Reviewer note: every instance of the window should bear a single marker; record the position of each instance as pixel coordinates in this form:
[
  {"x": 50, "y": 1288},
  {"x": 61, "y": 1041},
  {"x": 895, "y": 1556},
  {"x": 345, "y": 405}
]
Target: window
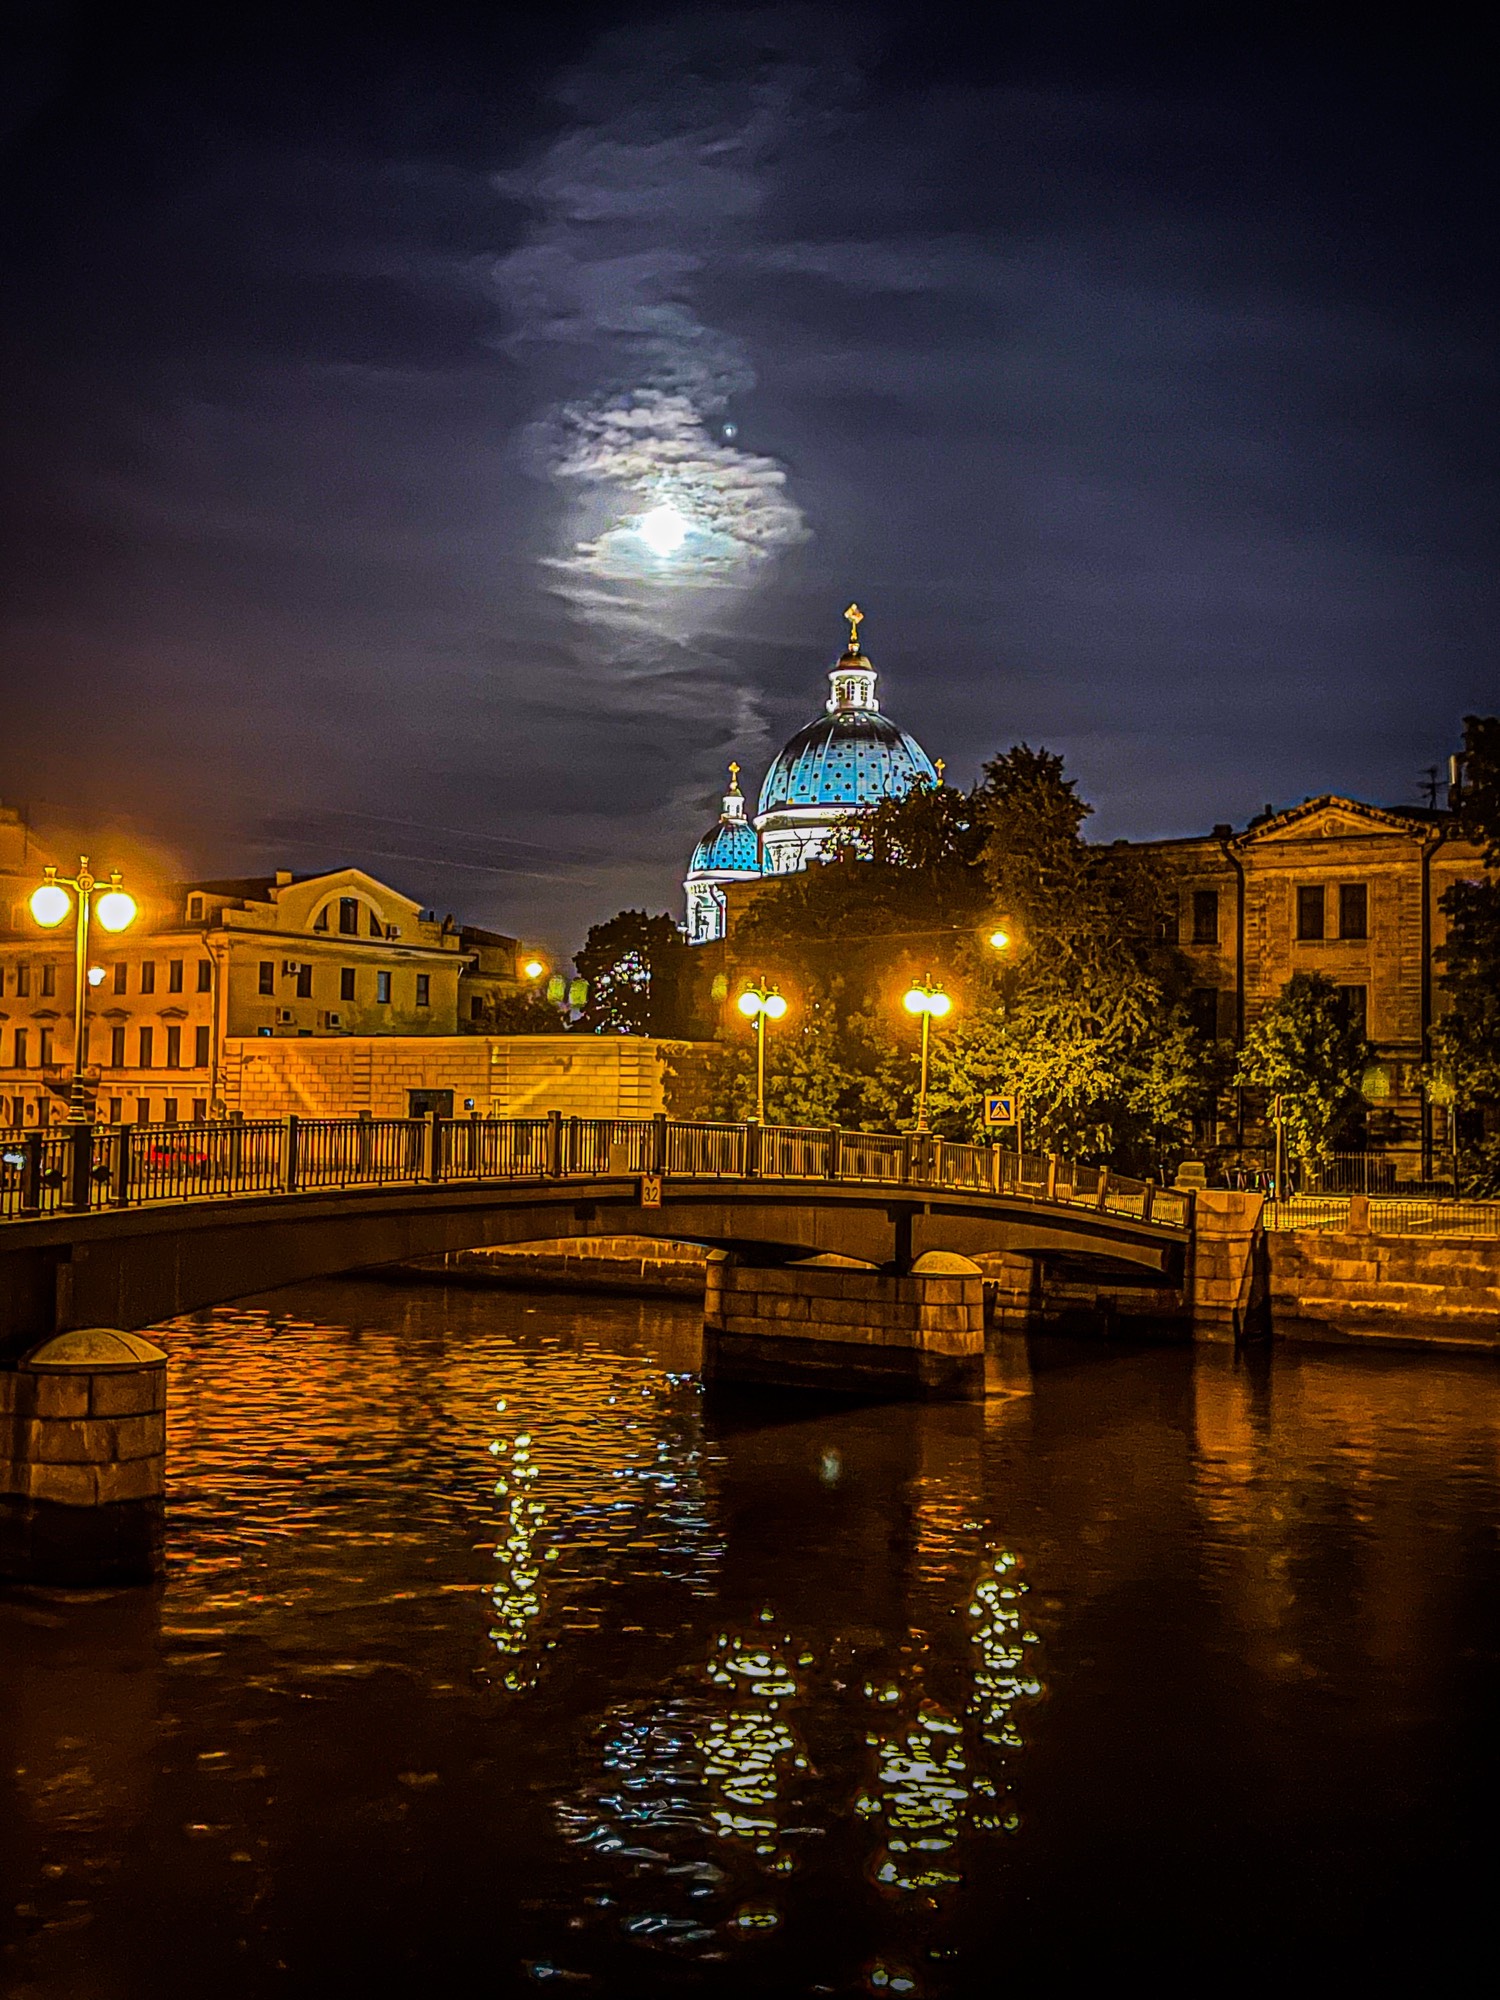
[
  {"x": 174, "y": 975},
  {"x": 1203, "y": 1008},
  {"x": 1354, "y": 910},
  {"x": 116, "y": 1110},
  {"x": 200, "y": 1048},
  {"x": 375, "y": 930},
  {"x": 476, "y": 1009},
  {"x": 143, "y": 1056},
  {"x": 304, "y": 982},
  {"x": 205, "y": 975},
  {"x": 23, "y": 981},
  {"x": 1309, "y": 913},
  {"x": 349, "y": 916},
  {"x": 174, "y": 1047},
  {"x": 320, "y": 922},
  {"x": 382, "y": 989},
  {"x": 143, "y": 1110},
  {"x": 148, "y": 976},
  {"x": 267, "y": 976},
  {"x": 424, "y": 989},
  {"x": 200, "y": 1110},
  {"x": 195, "y": 909},
  {"x": 21, "y": 1049},
  {"x": 117, "y": 1048},
  {"x": 1354, "y": 1002},
  {"x": 122, "y": 976},
  {"x": 49, "y": 979},
  {"x": 169, "y": 1111},
  {"x": 346, "y": 982},
  {"x": 44, "y": 1052},
  {"x": 1205, "y": 916}
]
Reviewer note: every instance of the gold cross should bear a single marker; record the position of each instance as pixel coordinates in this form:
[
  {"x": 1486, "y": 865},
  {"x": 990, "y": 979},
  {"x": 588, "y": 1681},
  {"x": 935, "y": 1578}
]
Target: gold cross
[
  {"x": 734, "y": 776},
  {"x": 856, "y": 618},
  {"x": 939, "y": 766}
]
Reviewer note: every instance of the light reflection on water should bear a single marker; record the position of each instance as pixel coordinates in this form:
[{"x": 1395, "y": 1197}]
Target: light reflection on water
[{"x": 492, "y": 1648}]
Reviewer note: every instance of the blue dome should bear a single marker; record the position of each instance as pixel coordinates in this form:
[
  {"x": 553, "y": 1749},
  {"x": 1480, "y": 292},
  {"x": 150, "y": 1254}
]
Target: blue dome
[
  {"x": 728, "y": 846},
  {"x": 854, "y": 757}
]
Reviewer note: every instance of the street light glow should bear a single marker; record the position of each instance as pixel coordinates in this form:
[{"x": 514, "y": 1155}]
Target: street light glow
[
  {"x": 96, "y": 975},
  {"x": 533, "y": 968},
  {"x": 1000, "y": 939},
  {"x": 750, "y": 1005},
  {"x": 115, "y": 910},
  {"x": 775, "y": 1006},
  {"x": 50, "y": 904}
]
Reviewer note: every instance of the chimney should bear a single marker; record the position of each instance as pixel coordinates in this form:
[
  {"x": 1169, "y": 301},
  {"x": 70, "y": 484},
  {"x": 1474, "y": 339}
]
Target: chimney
[{"x": 1455, "y": 780}]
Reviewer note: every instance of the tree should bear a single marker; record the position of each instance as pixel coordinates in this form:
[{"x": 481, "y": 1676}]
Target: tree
[
  {"x": 524, "y": 1012},
  {"x": 634, "y": 965},
  {"x": 1307, "y": 1049},
  {"x": 1465, "y": 1052}
]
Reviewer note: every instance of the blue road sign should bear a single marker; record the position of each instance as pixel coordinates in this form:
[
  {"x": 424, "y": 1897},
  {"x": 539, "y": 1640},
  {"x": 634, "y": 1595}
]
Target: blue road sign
[{"x": 999, "y": 1111}]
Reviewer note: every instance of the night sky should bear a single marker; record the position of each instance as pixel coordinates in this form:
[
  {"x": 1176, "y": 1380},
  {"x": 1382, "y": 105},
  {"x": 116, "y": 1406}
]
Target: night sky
[{"x": 1142, "y": 386}]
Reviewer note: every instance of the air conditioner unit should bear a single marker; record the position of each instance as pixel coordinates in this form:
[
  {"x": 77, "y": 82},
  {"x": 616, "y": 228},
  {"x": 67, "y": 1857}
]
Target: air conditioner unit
[
  {"x": 286, "y": 1014},
  {"x": 290, "y": 967},
  {"x": 333, "y": 1020},
  {"x": 393, "y": 930}
]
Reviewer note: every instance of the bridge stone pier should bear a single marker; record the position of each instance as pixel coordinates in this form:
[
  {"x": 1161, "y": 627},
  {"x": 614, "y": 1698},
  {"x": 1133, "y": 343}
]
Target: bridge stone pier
[{"x": 833, "y": 1326}]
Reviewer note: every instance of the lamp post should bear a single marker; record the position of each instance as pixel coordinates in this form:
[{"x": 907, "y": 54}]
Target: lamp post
[
  {"x": 758, "y": 1004},
  {"x": 931, "y": 1002},
  {"x": 115, "y": 911}
]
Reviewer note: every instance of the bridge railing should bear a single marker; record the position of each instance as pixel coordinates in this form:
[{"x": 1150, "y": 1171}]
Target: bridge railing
[{"x": 76, "y": 1167}]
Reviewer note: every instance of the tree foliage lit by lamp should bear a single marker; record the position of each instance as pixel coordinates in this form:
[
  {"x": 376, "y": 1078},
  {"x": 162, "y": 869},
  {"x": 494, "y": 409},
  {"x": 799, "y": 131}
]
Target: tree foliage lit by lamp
[
  {"x": 932, "y": 1003},
  {"x": 760, "y": 1004},
  {"x": 116, "y": 911}
]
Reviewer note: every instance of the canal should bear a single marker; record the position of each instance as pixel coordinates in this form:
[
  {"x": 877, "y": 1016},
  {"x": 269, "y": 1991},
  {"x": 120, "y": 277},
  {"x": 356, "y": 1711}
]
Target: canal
[{"x": 496, "y": 1654}]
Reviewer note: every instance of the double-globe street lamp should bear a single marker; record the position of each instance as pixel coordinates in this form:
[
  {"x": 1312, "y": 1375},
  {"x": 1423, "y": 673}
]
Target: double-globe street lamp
[
  {"x": 929, "y": 1000},
  {"x": 760, "y": 1004},
  {"x": 115, "y": 911}
]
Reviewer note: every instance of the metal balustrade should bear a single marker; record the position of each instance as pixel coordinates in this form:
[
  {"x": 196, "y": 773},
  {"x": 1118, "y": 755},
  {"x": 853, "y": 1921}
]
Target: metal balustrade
[{"x": 74, "y": 1168}]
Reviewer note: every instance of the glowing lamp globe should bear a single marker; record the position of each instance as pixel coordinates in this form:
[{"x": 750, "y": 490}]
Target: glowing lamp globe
[
  {"x": 533, "y": 968},
  {"x": 663, "y": 530},
  {"x": 115, "y": 910},
  {"x": 916, "y": 1001},
  {"x": 938, "y": 1004},
  {"x": 775, "y": 1006},
  {"x": 999, "y": 939},
  {"x": 96, "y": 975},
  {"x": 50, "y": 904},
  {"x": 749, "y": 1005}
]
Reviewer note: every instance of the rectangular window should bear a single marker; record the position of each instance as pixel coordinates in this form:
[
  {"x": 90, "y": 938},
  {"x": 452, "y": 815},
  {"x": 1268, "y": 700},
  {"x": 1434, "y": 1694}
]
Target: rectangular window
[
  {"x": 143, "y": 1110},
  {"x": 143, "y": 1054},
  {"x": 169, "y": 1111},
  {"x": 346, "y": 982},
  {"x": 205, "y": 975},
  {"x": 1205, "y": 916},
  {"x": 44, "y": 1052},
  {"x": 200, "y": 1110},
  {"x": 1309, "y": 913},
  {"x": 1203, "y": 1007},
  {"x": 49, "y": 979},
  {"x": 200, "y": 1048},
  {"x": 23, "y": 981},
  {"x": 122, "y": 975},
  {"x": 375, "y": 930},
  {"x": 304, "y": 982},
  {"x": 1354, "y": 910},
  {"x": 117, "y": 1048},
  {"x": 424, "y": 989},
  {"x": 195, "y": 909},
  {"x": 267, "y": 976},
  {"x": 116, "y": 1110},
  {"x": 22, "y": 1055},
  {"x": 382, "y": 989},
  {"x": 148, "y": 975},
  {"x": 174, "y": 975},
  {"x": 174, "y": 1048},
  {"x": 349, "y": 916},
  {"x": 476, "y": 1009},
  {"x": 1354, "y": 1001}
]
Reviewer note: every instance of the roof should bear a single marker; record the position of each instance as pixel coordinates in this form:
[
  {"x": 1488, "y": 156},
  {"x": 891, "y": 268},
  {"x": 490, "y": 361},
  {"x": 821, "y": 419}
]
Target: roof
[
  {"x": 853, "y": 757},
  {"x": 728, "y": 848}
]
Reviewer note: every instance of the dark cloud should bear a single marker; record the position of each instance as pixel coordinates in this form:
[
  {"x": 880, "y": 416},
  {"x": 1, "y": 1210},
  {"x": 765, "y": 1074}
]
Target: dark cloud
[{"x": 1143, "y": 391}]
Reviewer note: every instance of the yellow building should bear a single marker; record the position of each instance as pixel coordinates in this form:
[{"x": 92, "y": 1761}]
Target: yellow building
[{"x": 206, "y": 963}]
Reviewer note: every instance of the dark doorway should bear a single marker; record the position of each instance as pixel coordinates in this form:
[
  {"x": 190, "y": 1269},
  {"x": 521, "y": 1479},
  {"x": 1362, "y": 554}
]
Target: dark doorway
[{"x": 430, "y": 1103}]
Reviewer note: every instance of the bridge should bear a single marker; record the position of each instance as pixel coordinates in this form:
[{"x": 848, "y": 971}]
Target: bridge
[{"x": 127, "y": 1225}]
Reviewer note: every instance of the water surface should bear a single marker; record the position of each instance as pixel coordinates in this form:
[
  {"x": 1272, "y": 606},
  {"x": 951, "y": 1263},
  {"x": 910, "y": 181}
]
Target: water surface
[{"x": 493, "y": 1652}]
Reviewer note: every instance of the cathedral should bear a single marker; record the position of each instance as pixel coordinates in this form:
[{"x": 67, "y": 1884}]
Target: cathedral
[{"x": 848, "y": 758}]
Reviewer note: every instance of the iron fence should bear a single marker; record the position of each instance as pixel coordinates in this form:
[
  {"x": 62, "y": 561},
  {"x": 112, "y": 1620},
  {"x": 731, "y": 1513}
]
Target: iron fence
[{"x": 1386, "y": 1216}]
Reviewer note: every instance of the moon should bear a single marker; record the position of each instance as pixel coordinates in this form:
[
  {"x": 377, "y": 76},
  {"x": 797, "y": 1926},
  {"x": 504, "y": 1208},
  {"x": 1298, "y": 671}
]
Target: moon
[{"x": 663, "y": 530}]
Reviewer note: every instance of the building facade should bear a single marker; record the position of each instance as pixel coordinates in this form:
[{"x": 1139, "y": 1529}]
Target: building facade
[
  {"x": 842, "y": 762},
  {"x": 209, "y": 963}
]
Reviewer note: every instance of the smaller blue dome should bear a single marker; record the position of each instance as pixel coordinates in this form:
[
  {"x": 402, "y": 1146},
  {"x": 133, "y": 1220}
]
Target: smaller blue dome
[{"x": 729, "y": 847}]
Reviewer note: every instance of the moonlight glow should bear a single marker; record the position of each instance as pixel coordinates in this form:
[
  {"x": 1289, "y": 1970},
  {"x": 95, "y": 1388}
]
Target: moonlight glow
[{"x": 663, "y": 530}]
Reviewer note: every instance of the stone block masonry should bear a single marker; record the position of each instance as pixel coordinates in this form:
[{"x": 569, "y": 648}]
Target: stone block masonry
[
  {"x": 83, "y": 1460},
  {"x": 1411, "y": 1291},
  {"x": 848, "y": 1332}
]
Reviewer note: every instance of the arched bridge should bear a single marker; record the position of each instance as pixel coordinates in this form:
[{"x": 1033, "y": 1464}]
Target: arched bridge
[{"x": 127, "y": 1225}]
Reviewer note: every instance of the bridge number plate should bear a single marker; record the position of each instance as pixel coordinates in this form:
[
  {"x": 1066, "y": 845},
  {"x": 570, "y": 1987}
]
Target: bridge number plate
[
  {"x": 650, "y": 1190},
  {"x": 999, "y": 1111}
]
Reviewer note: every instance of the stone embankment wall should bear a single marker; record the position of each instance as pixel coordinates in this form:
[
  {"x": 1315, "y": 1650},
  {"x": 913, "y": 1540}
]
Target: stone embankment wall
[
  {"x": 1391, "y": 1290},
  {"x": 500, "y": 1076},
  {"x": 628, "y": 1264}
]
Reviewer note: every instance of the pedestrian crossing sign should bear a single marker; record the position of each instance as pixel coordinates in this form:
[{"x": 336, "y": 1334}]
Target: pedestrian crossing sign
[{"x": 999, "y": 1111}]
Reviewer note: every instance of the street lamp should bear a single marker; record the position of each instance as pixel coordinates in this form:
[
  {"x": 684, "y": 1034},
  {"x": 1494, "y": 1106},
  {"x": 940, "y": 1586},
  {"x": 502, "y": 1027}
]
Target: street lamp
[
  {"x": 50, "y": 904},
  {"x": 758, "y": 1004},
  {"x": 1000, "y": 940},
  {"x": 931, "y": 1002},
  {"x": 533, "y": 968}
]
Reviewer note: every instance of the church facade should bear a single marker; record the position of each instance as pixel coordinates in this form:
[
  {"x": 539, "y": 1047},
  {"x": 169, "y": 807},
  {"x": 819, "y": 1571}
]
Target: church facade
[{"x": 845, "y": 760}]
